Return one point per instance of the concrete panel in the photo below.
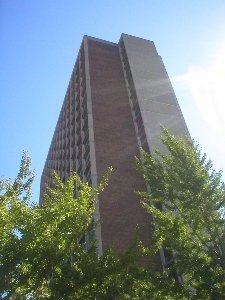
(153, 122)
(156, 98)
(158, 107)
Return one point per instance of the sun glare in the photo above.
(207, 87)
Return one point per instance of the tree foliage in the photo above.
(40, 249)
(187, 201)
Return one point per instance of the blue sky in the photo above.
(39, 43)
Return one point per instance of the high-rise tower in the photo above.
(117, 98)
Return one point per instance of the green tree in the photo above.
(187, 201)
(40, 245)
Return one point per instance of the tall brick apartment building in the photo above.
(117, 97)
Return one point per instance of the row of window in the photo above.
(70, 150)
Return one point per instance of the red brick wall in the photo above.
(116, 145)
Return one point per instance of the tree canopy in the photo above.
(40, 245)
(187, 201)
